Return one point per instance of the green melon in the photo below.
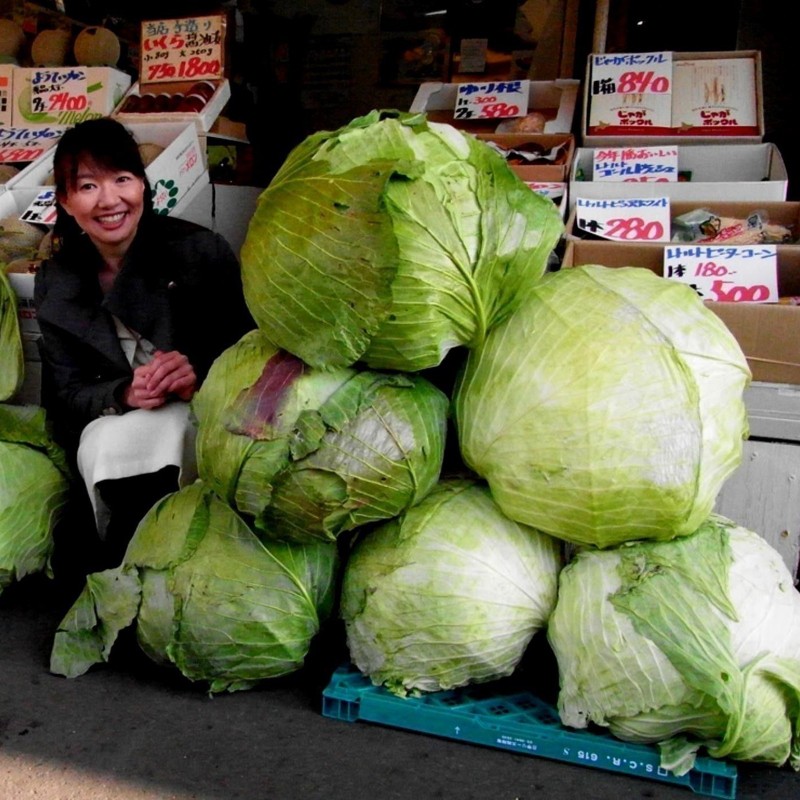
(96, 47)
(50, 48)
(18, 239)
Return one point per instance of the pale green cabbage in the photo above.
(609, 407)
(207, 597)
(447, 594)
(692, 642)
(33, 492)
(391, 241)
(307, 454)
(12, 365)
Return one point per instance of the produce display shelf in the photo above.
(509, 719)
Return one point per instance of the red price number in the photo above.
(19, 154)
(739, 294)
(634, 228)
(636, 82)
(193, 67)
(495, 110)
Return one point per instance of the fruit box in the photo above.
(561, 147)
(768, 333)
(748, 172)
(6, 93)
(715, 97)
(64, 96)
(172, 173)
(785, 214)
(556, 100)
(203, 117)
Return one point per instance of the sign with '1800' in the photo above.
(182, 49)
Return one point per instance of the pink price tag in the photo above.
(732, 274)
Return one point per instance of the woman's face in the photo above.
(107, 205)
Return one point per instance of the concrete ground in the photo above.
(129, 730)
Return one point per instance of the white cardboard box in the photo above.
(555, 99)
(67, 95)
(687, 66)
(172, 174)
(744, 172)
(203, 119)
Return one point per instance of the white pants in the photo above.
(136, 443)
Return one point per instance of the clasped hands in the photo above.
(168, 375)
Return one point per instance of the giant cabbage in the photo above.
(691, 643)
(449, 593)
(12, 365)
(391, 241)
(308, 454)
(206, 595)
(34, 484)
(609, 407)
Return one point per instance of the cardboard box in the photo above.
(555, 99)
(699, 114)
(785, 214)
(171, 174)
(6, 94)
(204, 119)
(562, 145)
(67, 95)
(769, 334)
(748, 172)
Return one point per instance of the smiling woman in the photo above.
(124, 307)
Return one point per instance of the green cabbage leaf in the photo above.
(691, 643)
(307, 454)
(609, 407)
(12, 364)
(206, 595)
(391, 241)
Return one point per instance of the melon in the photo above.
(96, 47)
(7, 172)
(50, 48)
(150, 152)
(18, 239)
(12, 37)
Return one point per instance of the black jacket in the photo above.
(179, 286)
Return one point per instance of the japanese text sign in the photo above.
(191, 48)
(492, 100)
(631, 91)
(57, 90)
(625, 219)
(42, 211)
(630, 164)
(20, 145)
(732, 274)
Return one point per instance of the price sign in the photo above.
(492, 100)
(21, 145)
(636, 164)
(42, 211)
(182, 49)
(625, 219)
(631, 73)
(54, 91)
(733, 274)
(630, 92)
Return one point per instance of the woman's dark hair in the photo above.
(106, 143)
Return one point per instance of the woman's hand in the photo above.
(168, 374)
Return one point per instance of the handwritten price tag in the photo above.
(636, 164)
(631, 73)
(492, 100)
(182, 49)
(625, 219)
(58, 90)
(734, 274)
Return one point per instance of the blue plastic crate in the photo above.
(501, 716)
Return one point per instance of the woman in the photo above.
(133, 308)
